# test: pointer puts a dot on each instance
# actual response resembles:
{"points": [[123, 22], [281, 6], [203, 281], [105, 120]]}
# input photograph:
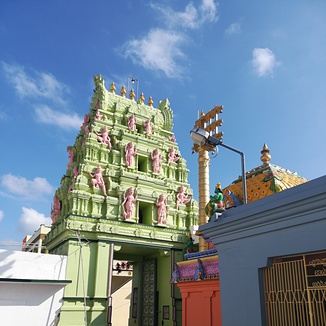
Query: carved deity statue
{"points": [[56, 209], [215, 204], [84, 126], [85, 122], [148, 127], [162, 212], [104, 137], [70, 156], [129, 200], [97, 179], [98, 115], [172, 157], [182, 197], [132, 122], [130, 152], [172, 138], [156, 161]]}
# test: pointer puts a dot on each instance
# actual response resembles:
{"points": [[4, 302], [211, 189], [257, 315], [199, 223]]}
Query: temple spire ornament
{"points": [[141, 98], [132, 94], [265, 158], [123, 91], [112, 88]]}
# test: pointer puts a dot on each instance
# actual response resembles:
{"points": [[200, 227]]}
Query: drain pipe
{"points": [[110, 284]]}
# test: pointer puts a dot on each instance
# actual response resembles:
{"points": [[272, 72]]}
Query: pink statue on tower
{"points": [[104, 137], [156, 161], [98, 115], [148, 127], [172, 157], [172, 138], [70, 156], [56, 209], [129, 200], [132, 122], [85, 126], [97, 179], [85, 122], [182, 197], [130, 152], [162, 212]]}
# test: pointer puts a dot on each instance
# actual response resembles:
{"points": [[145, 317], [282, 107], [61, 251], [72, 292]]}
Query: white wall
{"points": [[30, 303]]}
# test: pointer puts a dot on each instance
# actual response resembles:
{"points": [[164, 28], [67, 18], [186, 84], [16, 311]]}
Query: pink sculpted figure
{"points": [[85, 126], [172, 156], [182, 197], [86, 129], [129, 199], [132, 122], [98, 115], [75, 171], [56, 210], [148, 127], [161, 210], [104, 137], [172, 138], [97, 179], [130, 152], [156, 161], [70, 156], [86, 121]]}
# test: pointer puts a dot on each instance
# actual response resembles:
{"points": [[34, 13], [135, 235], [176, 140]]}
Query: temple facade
{"points": [[124, 196]]}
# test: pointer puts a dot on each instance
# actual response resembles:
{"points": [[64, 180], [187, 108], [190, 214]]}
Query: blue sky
{"points": [[264, 61]]}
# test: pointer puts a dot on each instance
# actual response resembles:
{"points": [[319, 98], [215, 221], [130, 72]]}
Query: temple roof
{"points": [[262, 181]]}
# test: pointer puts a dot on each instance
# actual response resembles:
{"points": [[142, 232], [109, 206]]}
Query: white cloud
{"points": [[1, 215], [191, 17], [30, 220], [208, 10], [40, 85], [31, 189], [264, 61], [158, 50], [234, 28], [65, 121]]}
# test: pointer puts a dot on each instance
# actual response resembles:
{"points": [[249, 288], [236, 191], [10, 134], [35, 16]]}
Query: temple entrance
{"points": [[149, 295], [295, 290], [152, 300]]}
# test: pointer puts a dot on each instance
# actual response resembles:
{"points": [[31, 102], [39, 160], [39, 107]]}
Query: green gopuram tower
{"points": [[125, 196]]}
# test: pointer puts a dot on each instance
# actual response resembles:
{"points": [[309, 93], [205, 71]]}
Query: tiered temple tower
{"points": [[125, 195]]}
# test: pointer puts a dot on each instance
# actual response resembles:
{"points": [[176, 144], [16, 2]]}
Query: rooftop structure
{"points": [[262, 181], [35, 242]]}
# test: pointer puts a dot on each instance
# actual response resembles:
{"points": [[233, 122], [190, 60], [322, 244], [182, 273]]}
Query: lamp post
{"points": [[202, 138], [133, 81]]}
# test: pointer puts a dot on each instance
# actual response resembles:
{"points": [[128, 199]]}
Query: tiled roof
{"points": [[262, 181]]}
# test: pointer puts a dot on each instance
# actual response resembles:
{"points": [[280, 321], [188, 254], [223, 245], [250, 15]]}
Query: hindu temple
{"points": [[124, 196]]}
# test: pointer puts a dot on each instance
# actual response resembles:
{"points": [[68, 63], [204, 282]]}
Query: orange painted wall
{"points": [[201, 303]]}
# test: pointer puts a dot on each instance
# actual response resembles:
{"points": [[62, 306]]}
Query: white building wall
{"points": [[29, 293]]}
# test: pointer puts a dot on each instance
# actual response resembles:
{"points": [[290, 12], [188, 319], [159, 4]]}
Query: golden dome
{"points": [[262, 181]]}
